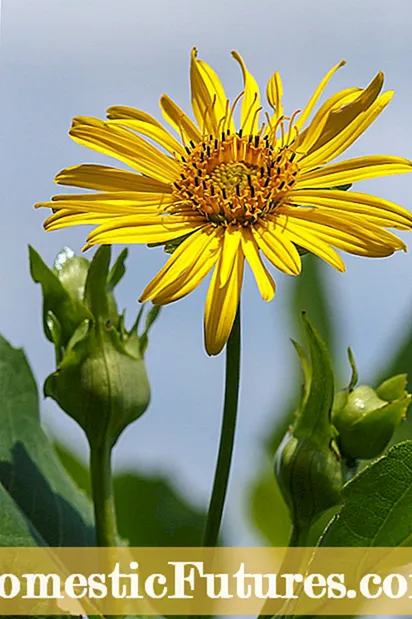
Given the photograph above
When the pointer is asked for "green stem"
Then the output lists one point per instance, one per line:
(298, 538)
(103, 500)
(227, 436)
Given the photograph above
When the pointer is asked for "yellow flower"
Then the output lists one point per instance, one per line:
(266, 189)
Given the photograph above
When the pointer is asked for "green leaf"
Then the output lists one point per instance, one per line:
(15, 529)
(96, 291)
(313, 420)
(310, 295)
(30, 472)
(400, 362)
(377, 504)
(56, 300)
(150, 510)
(117, 271)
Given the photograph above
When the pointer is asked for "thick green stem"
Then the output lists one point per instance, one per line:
(103, 500)
(227, 436)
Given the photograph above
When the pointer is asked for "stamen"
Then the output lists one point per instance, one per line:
(291, 125)
(232, 109)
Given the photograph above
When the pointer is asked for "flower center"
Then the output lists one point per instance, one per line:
(235, 180)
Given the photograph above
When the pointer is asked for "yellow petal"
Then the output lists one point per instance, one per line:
(314, 98)
(264, 280)
(175, 116)
(345, 138)
(144, 123)
(111, 199)
(179, 280)
(105, 178)
(341, 117)
(125, 146)
(353, 170)
(249, 117)
(222, 303)
(232, 240)
(209, 102)
(343, 231)
(309, 137)
(305, 238)
(277, 247)
(75, 209)
(378, 210)
(274, 94)
(65, 217)
(134, 229)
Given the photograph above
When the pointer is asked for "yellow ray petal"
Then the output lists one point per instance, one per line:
(378, 210)
(177, 119)
(105, 178)
(315, 244)
(345, 138)
(249, 117)
(144, 123)
(222, 303)
(352, 170)
(65, 217)
(134, 229)
(95, 208)
(110, 198)
(231, 243)
(178, 282)
(341, 117)
(342, 231)
(308, 138)
(277, 248)
(274, 94)
(314, 98)
(125, 146)
(264, 280)
(209, 101)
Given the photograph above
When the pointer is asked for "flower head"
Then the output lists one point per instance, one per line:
(265, 189)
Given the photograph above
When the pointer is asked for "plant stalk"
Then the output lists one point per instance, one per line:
(227, 436)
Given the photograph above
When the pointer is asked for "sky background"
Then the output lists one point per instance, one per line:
(64, 58)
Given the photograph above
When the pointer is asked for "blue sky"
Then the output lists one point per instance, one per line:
(62, 58)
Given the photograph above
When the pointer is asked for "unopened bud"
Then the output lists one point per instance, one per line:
(366, 419)
(100, 379)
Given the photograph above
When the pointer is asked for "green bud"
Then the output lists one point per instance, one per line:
(307, 465)
(101, 379)
(366, 419)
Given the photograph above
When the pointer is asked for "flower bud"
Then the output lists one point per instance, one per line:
(307, 465)
(101, 379)
(366, 419)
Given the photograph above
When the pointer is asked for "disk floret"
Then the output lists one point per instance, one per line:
(235, 180)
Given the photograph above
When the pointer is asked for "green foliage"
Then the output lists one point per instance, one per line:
(97, 354)
(38, 499)
(308, 467)
(150, 510)
(385, 487)
(308, 294)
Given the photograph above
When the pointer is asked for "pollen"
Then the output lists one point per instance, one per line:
(235, 180)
